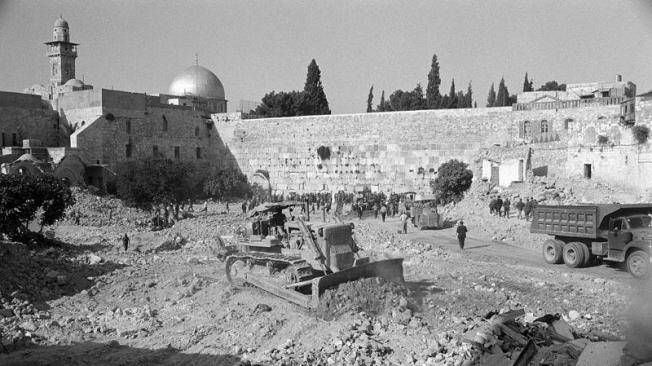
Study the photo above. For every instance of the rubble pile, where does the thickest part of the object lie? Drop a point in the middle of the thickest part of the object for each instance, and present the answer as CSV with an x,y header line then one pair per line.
x,y
98,210
372,295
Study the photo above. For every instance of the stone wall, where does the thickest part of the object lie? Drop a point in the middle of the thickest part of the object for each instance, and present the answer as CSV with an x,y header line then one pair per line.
x,y
397,151
26,117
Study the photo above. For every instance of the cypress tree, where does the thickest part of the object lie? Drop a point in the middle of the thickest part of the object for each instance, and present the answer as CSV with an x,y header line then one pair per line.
x,y
432,90
452,96
315,91
502,98
468,97
381,106
370,100
491,98
527,85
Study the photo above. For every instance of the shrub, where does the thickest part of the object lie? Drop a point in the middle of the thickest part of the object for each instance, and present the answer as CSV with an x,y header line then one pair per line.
x,y
223,183
324,152
453,179
148,182
23,196
603,140
641,133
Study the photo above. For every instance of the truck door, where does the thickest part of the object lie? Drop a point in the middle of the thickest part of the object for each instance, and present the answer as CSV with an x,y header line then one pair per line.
x,y
618,236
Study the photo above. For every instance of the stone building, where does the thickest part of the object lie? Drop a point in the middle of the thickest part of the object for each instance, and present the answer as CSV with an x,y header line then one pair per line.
x,y
83,133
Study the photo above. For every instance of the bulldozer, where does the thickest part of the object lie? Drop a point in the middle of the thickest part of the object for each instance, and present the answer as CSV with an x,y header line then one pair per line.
x,y
327,257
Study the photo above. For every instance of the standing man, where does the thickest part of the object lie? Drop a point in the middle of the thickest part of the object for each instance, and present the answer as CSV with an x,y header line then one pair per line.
x,y
125,242
383,212
244,206
227,207
404,221
506,207
461,233
499,205
492,205
205,208
528,208
519,208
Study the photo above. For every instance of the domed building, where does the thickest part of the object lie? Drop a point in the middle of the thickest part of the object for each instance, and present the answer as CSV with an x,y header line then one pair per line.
x,y
198,87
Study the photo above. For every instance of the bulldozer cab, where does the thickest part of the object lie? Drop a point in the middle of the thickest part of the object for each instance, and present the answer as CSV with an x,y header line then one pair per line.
x,y
336,243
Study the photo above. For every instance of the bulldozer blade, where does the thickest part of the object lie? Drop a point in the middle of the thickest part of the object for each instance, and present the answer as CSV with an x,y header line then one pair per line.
x,y
389,269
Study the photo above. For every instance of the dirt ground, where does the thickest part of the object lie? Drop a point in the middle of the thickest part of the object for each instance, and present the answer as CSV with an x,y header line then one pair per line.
x,y
166,300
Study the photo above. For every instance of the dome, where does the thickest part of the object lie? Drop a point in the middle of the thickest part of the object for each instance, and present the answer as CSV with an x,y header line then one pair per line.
x,y
197,81
61,23
76,83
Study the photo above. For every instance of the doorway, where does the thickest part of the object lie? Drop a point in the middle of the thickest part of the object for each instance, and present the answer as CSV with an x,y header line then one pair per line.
x,y
587,171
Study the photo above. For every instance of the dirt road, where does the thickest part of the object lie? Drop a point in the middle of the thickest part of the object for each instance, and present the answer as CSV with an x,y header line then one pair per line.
x,y
484,249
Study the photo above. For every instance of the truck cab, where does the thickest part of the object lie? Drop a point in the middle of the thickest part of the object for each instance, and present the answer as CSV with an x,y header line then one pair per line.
x,y
626,232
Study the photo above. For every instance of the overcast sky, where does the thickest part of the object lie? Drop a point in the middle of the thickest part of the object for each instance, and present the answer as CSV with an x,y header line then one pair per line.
x,y
258,46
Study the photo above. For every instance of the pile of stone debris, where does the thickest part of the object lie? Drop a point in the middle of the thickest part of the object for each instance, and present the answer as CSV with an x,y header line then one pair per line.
x,y
514,338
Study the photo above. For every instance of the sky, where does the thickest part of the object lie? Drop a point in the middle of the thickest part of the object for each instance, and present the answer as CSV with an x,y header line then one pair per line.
x,y
255,47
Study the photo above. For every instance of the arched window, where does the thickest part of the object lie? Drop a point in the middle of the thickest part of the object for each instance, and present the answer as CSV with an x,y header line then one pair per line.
x,y
128,126
165,123
544,126
527,129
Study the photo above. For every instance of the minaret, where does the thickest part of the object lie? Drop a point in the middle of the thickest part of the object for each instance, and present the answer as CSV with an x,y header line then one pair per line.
x,y
62,54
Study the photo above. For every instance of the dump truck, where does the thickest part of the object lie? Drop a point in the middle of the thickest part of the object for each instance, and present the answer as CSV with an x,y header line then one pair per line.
x,y
326,257
607,232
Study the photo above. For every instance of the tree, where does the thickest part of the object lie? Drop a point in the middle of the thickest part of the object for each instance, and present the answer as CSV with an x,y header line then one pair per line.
x,y
552,86
453,179
502,98
527,84
223,183
407,101
452,96
22,197
316,98
370,100
432,89
153,181
468,97
283,104
491,98
381,106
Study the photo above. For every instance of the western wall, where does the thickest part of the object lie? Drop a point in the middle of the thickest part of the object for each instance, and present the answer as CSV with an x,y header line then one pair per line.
x,y
401,151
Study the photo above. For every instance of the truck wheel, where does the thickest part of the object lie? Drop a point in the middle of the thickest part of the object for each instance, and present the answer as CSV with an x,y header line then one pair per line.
x,y
553,251
573,255
638,264
587,253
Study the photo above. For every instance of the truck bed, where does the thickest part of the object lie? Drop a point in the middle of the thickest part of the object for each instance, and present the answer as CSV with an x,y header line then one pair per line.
x,y
573,221
587,221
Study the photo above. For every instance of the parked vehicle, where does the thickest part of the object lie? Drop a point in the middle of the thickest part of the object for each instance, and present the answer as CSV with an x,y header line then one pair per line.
x,y
608,232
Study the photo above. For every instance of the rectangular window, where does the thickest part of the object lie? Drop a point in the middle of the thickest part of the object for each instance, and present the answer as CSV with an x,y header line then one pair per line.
x,y
128,150
14,140
155,150
198,153
177,152
3,139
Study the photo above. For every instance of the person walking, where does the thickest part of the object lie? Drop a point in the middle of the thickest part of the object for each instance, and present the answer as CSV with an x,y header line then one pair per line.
x,y
461,233
506,206
244,206
376,210
360,212
205,208
404,221
527,208
125,242
499,205
492,206
227,208
519,208
383,212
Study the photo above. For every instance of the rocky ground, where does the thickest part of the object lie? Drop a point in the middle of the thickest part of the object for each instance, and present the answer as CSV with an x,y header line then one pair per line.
x,y
167,301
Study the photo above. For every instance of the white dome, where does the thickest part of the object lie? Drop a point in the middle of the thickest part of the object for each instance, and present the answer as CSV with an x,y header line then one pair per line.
x,y
197,81
74,83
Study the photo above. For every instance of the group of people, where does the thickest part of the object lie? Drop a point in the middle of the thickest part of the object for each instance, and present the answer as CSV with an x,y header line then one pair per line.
x,y
500,207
